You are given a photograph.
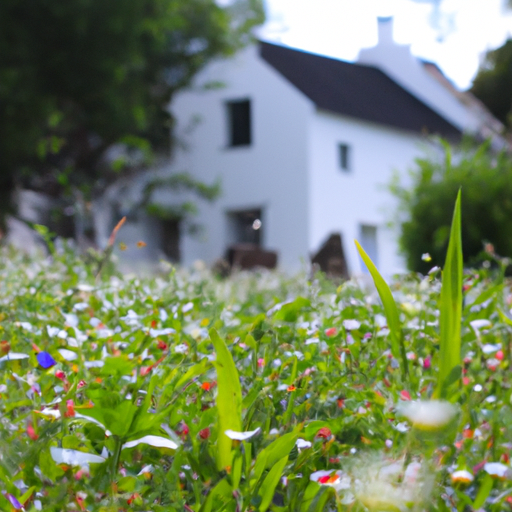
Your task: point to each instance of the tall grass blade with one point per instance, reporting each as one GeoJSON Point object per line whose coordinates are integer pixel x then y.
{"type": "Point", "coordinates": [390, 310]}
{"type": "Point", "coordinates": [450, 307]}
{"type": "Point", "coordinates": [229, 400]}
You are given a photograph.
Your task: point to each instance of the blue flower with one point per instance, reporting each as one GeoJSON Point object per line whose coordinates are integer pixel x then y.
{"type": "Point", "coordinates": [45, 360]}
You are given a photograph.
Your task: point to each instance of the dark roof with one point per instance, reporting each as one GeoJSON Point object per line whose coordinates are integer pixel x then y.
{"type": "Point", "coordinates": [355, 90]}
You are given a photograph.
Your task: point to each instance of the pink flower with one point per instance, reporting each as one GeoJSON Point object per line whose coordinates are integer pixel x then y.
{"type": "Point", "coordinates": [405, 395]}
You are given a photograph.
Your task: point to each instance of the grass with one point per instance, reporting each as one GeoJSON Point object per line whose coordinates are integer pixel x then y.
{"type": "Point", "coordinates": [258, 392]}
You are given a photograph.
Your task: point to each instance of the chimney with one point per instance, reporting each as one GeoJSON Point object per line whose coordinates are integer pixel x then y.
{"type": "Point", "coordinates": [385, 30]}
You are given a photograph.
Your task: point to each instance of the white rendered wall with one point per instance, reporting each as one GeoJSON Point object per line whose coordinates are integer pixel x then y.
{"type": "Point", "coordinates": [270, 174]}
{"type": "Point", "coordinates": [343, 201]}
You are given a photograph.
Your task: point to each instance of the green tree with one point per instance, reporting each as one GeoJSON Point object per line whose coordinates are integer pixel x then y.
{"type": "Point", "coordinates": [493, 83]}
{"type": "Point", "coordinates": [79, 77]}
{"type": "Point", "coordinates": [426, 204]}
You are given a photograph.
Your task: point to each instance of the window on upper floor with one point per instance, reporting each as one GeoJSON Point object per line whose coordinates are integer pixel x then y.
{"type": "Point", "coordinates": [344, 156]}
{"type": "Point", "coordinates": [239, 123]}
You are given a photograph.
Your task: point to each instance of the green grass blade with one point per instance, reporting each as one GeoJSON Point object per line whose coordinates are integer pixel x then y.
{"type": "Point", "coordinates": [390, 310]}
{"type": "Point", "coordinates": [450, 306]}
{"type": "Point", "coordinates": [229, 400]}
{"type": "Point", "coordinates": [269, 485]}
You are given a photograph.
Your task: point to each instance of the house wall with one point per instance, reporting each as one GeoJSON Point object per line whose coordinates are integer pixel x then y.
{"type": "Point", "coordinates": [343, 201]}
{"type": "Point", "coordinates": [270, 174]}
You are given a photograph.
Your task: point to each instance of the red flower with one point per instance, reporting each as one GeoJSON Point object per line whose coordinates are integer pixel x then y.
{"type": "Point", "coordinates": [205, 433]}
{"type": "Point", "coordinates": [427, 363]}
{"type": "Point", "coordinates": [60, 375]}
{"type": "Point", "coordinates": [291, 388]}
{"type": "Point", "coordinates": [331, 331]}
{"type": "Point", "coordinates": [162, 345]}
{"type": "Point", "coordinates": [144, 370]}
{"type": "Point", "coordinates": [206, 386]}
{"type": "Point", "coordinates": [70, 409]}
{"type": "Point", "coordinates": [132, 498]}
{"type": "Point", "coordinates": [31, 432]}
{"type": "Point", "coordinates": [324, 432]}
{"type": "Point", "coordinates": [183, 430]}
{"type": "Point", "coordinates": [500, 355]}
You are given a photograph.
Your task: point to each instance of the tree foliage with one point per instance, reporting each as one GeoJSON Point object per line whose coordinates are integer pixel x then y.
{"type": "Point", "coordinates": [426, 204]}
{"type": "Point", "coordinates": [78, 77]}
{"type": "Point", "coordinates": [493, 83]}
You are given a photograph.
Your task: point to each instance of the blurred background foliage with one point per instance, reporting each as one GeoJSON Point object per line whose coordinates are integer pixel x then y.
{"type": "Point", "coordinates": [426, 204]}
{"type": "Point", "coordinates": [80, 77]}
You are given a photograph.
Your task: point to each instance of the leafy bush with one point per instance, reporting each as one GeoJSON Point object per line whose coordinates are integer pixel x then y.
{"type": "Point", "coordinates": [426, 204]}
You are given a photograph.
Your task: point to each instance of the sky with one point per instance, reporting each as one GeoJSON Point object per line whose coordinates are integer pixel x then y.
{"type": "Point", "coordinates": [462, 31]}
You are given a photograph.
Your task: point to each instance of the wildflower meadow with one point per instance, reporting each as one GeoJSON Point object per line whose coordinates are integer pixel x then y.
{"type": "Point", "coordinates": [259, 392]}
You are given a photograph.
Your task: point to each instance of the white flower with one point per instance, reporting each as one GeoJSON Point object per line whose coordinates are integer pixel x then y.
{"type": "Point", "coordinates": [302, 444]}
{"type": "Point", "coordinates": [158, 441]}
{"type": "Point", "coordinates": [498, 470]}
{"type": "Point", "coordinates": [428, 414]}
{"type": "Point", "coordinates": [242, 436]}
{"type": "Point", "coordinates": [381, 496]}
{"type": "Point", "coordinates": [181, 349]}
{"type": "Point", "coordinates": [335, 479]}
{"type": "Point", "coordinates": [154, 333]}
{"type": "Point", "coordinates": [12, 356]}
{"type": "Point", "coordinates": [74, 457]}
{"type": "Point", "coordinates": [479, 324]}
{"type": "Point", "coordinates": [351, 324]}
{"type": "Point", "coordinates": [68, 355]}
{"type": "Point", "coordinates": [462, 476]}
{"type": "Point", "coordinates": [187, 307]}
{"type": "Point", "coordinates": [71, 319]}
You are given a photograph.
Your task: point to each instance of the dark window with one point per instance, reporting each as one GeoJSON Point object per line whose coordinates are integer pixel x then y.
{"type": "Point", "coordinates": [239, 119]}
{"type": "Point", "coordinates": [344, 156]}
{"type": "Point", "coordinates": [245, 227]}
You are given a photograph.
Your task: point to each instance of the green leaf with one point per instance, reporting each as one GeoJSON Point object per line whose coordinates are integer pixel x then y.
{"type": "Point", "coordinates": [289, 312]}
{"type": "Point", "coordinates": [274, 452]}
{"type": "Point", "coordinates": [194, 371]}
{"type": "Point", "coordinates": [450, 306]}
{"type": "Point", "coordinates": [483, 492]}
{"type": "Point", "coordinates": [390, 310]}
{"type": "Point", "coordinates": [222, 490]}
{"type": "Point", "coordinates": [229, 400]}
{"type": "Point", "coordinates": [268, 487]}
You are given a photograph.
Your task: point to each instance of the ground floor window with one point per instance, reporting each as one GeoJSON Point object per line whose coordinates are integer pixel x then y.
{"type": "Point", "coordinates": [245, 227]}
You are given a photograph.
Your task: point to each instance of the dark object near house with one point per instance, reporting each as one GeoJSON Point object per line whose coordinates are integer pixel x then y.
{"type": "Point", "coordinates": [331, 258]}
{"type": "Point", "coordinates": [248, 256]}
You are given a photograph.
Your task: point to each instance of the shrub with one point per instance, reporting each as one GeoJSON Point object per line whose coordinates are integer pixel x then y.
{"type": "Point", "coordinates": [426, 204]}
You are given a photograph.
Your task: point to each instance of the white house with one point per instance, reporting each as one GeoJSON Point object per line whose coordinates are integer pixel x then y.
{"type": "Point", "coordinates": [305, 145]}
